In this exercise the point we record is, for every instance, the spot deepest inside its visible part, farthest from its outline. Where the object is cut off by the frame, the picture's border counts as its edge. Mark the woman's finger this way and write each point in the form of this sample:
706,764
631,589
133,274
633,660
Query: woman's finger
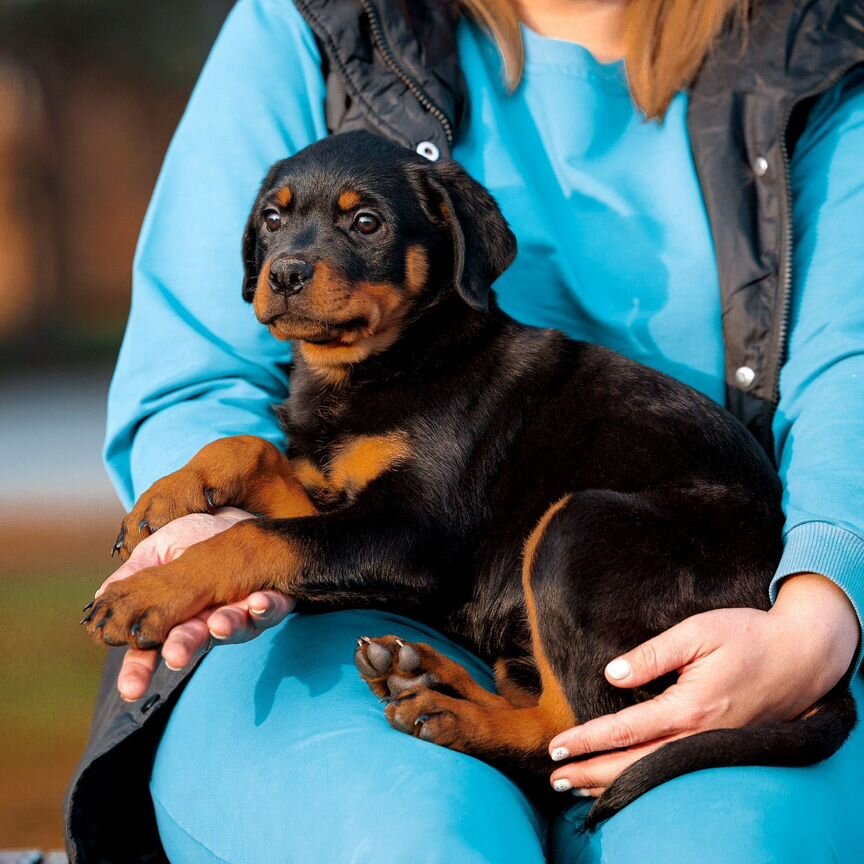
228,624
186,641
660,717
240,622
269,608
668,652
136,673
596,792
601,771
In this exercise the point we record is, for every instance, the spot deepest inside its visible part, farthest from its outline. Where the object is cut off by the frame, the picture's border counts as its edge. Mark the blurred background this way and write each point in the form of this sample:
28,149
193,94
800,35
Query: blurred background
90,93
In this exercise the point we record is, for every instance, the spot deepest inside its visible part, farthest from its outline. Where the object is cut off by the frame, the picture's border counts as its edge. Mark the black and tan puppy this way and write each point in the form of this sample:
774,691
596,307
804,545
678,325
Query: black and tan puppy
549,503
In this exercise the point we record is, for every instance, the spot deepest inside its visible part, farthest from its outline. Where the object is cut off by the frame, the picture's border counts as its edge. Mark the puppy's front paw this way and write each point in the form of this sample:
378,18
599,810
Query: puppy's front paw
141,610
176,495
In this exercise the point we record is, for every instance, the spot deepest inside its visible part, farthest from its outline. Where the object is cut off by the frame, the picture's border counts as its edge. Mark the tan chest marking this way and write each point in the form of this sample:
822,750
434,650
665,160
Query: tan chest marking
354,464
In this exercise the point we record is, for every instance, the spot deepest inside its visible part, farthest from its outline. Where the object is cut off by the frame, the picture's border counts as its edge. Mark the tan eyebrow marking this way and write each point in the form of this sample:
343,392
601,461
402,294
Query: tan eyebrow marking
349,200
416,268
284,196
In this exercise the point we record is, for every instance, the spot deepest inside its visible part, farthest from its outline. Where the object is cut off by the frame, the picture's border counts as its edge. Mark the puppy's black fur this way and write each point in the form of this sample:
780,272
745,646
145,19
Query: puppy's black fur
674,508
669,507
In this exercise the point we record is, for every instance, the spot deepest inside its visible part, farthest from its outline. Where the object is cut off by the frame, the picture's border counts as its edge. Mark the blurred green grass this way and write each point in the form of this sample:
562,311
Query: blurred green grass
49,671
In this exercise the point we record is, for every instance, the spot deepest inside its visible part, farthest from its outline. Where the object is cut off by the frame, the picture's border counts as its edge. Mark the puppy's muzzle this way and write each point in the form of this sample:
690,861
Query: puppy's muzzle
289,275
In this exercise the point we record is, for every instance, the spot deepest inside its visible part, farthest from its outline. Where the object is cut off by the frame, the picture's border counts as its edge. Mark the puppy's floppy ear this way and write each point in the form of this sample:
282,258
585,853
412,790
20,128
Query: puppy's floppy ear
251,258
483,244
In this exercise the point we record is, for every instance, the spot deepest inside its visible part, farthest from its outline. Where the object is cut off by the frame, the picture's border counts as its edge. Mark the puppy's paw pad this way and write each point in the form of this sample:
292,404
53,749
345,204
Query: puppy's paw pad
389,665
425,715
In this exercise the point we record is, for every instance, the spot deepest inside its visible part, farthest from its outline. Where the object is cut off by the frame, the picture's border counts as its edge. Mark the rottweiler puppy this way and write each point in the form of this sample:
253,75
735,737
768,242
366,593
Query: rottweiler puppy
547,502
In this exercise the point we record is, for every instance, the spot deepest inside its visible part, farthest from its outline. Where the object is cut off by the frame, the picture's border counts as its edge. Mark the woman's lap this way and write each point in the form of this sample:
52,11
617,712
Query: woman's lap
277,751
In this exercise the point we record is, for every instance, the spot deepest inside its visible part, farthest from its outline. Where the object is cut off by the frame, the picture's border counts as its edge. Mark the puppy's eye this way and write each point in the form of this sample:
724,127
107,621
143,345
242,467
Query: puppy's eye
366,223
273,220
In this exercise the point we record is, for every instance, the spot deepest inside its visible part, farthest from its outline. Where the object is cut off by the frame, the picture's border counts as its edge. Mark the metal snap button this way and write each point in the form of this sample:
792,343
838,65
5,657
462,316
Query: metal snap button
760,166
150,703
428,151
744,377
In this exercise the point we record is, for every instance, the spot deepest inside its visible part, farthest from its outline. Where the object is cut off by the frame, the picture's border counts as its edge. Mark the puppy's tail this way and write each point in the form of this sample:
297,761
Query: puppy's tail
805,741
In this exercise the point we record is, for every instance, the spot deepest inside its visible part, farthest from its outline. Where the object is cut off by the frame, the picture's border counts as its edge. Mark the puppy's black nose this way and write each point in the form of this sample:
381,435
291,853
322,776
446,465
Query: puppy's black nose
289,275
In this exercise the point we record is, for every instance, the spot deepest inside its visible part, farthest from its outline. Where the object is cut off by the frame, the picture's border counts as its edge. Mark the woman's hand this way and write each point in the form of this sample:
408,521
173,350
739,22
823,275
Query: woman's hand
737,667
238,622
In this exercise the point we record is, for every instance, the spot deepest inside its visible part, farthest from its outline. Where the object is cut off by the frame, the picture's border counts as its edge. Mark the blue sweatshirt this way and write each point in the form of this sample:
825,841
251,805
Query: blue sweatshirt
614,248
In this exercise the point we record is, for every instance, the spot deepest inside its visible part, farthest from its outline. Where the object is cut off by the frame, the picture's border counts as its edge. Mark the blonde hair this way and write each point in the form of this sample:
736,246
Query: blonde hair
666,42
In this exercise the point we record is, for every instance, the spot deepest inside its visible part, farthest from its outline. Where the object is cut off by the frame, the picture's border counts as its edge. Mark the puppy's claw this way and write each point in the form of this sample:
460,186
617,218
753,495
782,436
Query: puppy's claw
118,543
425,732
89,606
210,495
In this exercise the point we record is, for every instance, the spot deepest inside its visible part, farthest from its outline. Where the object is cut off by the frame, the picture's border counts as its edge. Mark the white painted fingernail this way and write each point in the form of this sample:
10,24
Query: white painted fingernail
560,753
618,669
263,611
582,793
562,785
172,668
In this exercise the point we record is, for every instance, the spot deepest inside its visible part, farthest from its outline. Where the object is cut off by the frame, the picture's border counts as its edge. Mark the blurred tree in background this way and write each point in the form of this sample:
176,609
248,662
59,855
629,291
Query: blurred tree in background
90,92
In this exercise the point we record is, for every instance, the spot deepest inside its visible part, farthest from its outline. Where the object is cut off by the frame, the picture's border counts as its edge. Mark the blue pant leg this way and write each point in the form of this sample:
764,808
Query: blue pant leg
750,815
278,752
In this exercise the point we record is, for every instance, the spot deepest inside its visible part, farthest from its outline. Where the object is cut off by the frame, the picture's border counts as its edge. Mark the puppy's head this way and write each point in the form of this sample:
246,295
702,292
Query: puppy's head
355,236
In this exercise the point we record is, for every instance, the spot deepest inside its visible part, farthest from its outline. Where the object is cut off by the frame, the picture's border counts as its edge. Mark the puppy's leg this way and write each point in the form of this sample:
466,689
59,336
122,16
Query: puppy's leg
602,572
436,699
244,471
328,558
141,609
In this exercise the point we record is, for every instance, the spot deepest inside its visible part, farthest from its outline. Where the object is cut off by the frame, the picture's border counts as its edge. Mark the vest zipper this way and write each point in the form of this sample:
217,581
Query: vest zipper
390,61
789,238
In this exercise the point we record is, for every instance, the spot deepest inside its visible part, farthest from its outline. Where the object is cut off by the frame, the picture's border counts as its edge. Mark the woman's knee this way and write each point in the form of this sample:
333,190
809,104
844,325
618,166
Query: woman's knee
721,816
278,747
812,815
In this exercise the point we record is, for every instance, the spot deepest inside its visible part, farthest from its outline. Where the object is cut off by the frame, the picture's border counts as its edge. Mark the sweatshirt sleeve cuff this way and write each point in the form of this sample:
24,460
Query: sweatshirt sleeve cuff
831,551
